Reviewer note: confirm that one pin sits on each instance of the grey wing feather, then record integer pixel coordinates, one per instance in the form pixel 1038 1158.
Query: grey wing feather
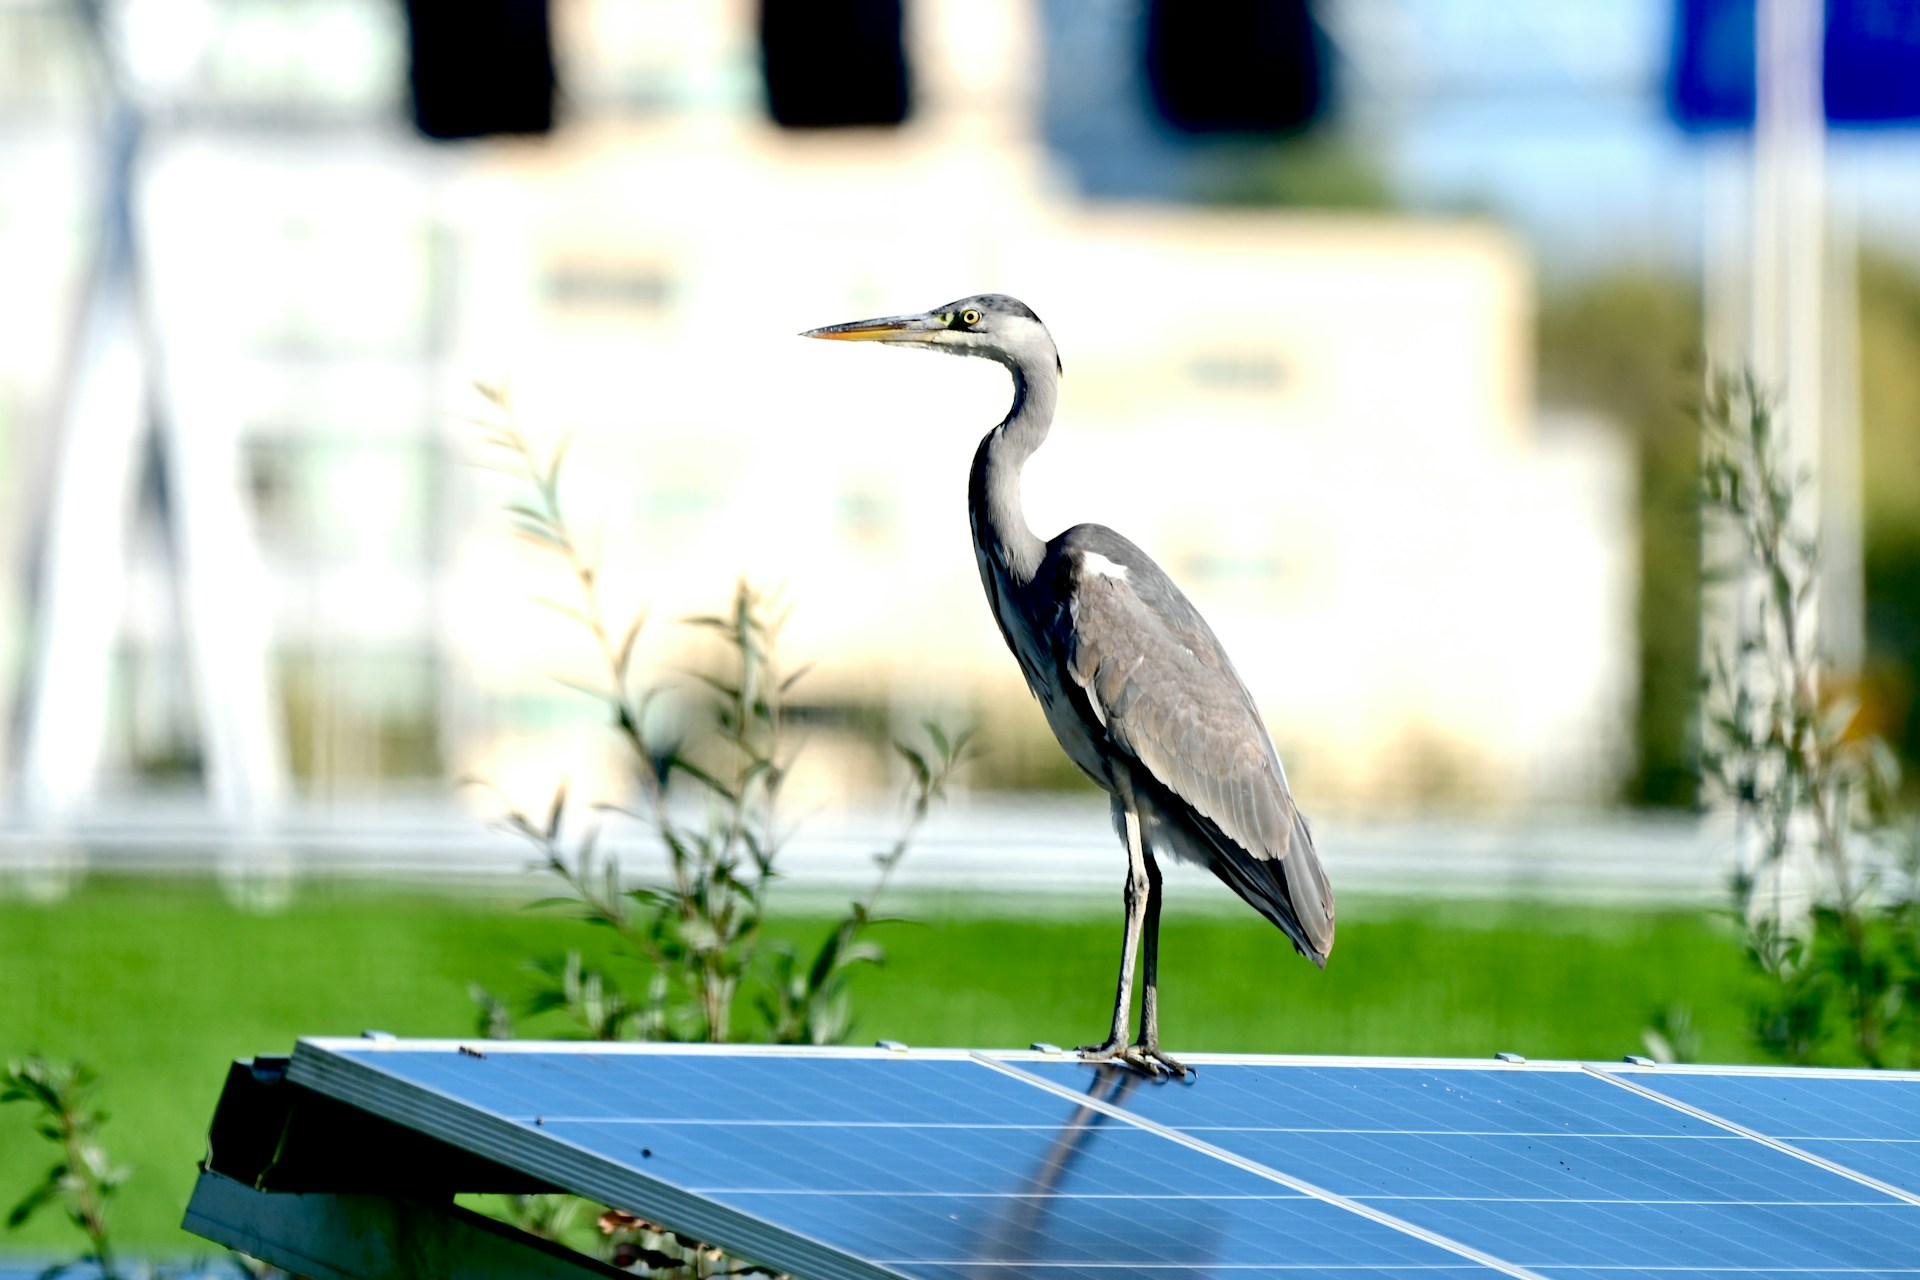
pixel 1165 693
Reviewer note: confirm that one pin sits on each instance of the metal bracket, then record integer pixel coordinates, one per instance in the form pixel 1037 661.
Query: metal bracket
pixel 368 1237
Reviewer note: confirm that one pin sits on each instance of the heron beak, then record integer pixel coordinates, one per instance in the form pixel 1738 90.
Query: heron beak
pixel 921 328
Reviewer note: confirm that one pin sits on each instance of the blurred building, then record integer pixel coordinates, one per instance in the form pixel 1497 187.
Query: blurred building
pixel 1322 425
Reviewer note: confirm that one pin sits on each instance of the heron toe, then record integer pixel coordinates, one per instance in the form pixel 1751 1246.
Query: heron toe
pixel 1114 1048
pixel 1148 1059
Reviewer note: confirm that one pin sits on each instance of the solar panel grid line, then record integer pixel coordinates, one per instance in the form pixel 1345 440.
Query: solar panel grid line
pixel 1210 1197
pixel 1307 1130
pixel 1619 1200
pixel 975 1270
pixel 1301 1185
pixel 1304 1131
pixel 380 1093
pixel 974 1267
pixel 1732 1273
pixel 1778 1144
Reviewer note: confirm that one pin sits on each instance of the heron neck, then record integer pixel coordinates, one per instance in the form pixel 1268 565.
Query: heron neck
pixel 1000 523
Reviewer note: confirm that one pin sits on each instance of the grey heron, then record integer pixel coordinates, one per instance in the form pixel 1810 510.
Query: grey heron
pixel 1134 685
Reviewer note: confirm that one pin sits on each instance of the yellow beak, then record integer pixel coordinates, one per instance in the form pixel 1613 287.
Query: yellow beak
pixel 920 328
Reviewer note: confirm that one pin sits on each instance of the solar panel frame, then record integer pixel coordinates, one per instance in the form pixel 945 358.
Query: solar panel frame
pixel 341 1068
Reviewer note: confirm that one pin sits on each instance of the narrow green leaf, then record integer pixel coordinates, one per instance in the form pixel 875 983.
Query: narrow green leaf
pixel 564 610
pixel 623 655
pixel 718 684
pixel 594 691
pixel 530 514
pixel 550 483
pixel 916 762
pixel 539 535
pixel 38 1198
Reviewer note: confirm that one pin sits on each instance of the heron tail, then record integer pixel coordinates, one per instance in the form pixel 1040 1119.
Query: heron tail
pixel 1291 890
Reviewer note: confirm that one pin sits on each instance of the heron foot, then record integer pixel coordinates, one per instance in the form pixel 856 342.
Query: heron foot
pixel 1147 1059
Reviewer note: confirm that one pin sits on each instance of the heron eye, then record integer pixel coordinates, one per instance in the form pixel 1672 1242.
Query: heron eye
pixel 969 316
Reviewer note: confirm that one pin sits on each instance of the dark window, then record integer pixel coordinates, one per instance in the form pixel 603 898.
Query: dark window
pixel 833 63
pixel 1235 66
pixel 481 67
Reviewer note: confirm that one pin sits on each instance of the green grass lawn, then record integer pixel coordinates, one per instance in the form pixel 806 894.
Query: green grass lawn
pixel 159 983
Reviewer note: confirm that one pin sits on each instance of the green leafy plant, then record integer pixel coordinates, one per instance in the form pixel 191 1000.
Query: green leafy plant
pixel 711 796
pixel 82 1180
pixel 633 1242
pixel 1826 887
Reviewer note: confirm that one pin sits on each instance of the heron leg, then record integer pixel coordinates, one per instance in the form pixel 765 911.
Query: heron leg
pixel 1135 896
pixel 1148 1045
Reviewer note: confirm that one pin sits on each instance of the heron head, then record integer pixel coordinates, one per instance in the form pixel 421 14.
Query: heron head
pixel 988 324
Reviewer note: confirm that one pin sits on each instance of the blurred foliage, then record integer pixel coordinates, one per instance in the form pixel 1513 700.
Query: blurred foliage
pixel 1318 169
pixel 695 938
pixel 1890 390
pixel 82 1179
pixel 689 944
pixel 1626 346
pixel 1890 447
pixel 1024 755
pixel 359 717
pixel 1826 885
pixel 1671 1035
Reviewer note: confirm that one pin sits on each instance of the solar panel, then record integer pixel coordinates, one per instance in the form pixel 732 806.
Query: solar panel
pixel 1553 1168
pixel 944 1164
pixel 916 1165
pixel 1866 1122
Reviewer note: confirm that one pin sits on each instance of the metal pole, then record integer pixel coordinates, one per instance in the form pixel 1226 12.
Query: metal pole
pixel 1843 576
pixel 91 498
pixel 1796 309
pixel 117 385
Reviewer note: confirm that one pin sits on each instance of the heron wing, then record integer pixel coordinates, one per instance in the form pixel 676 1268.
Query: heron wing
pixel 1164 692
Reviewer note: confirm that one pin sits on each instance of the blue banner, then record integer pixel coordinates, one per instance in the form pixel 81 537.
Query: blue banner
pixel 1871 63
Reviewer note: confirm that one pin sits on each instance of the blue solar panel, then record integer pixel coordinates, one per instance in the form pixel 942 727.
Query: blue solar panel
pixel 1392 1099
pixel 918 1165
pixel 586 1085
pixel 942 1166
pixel 936 1233
pixel 1543 1168
pixel 1551 1235
pixel 1665 1273
pixel 1868 1123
